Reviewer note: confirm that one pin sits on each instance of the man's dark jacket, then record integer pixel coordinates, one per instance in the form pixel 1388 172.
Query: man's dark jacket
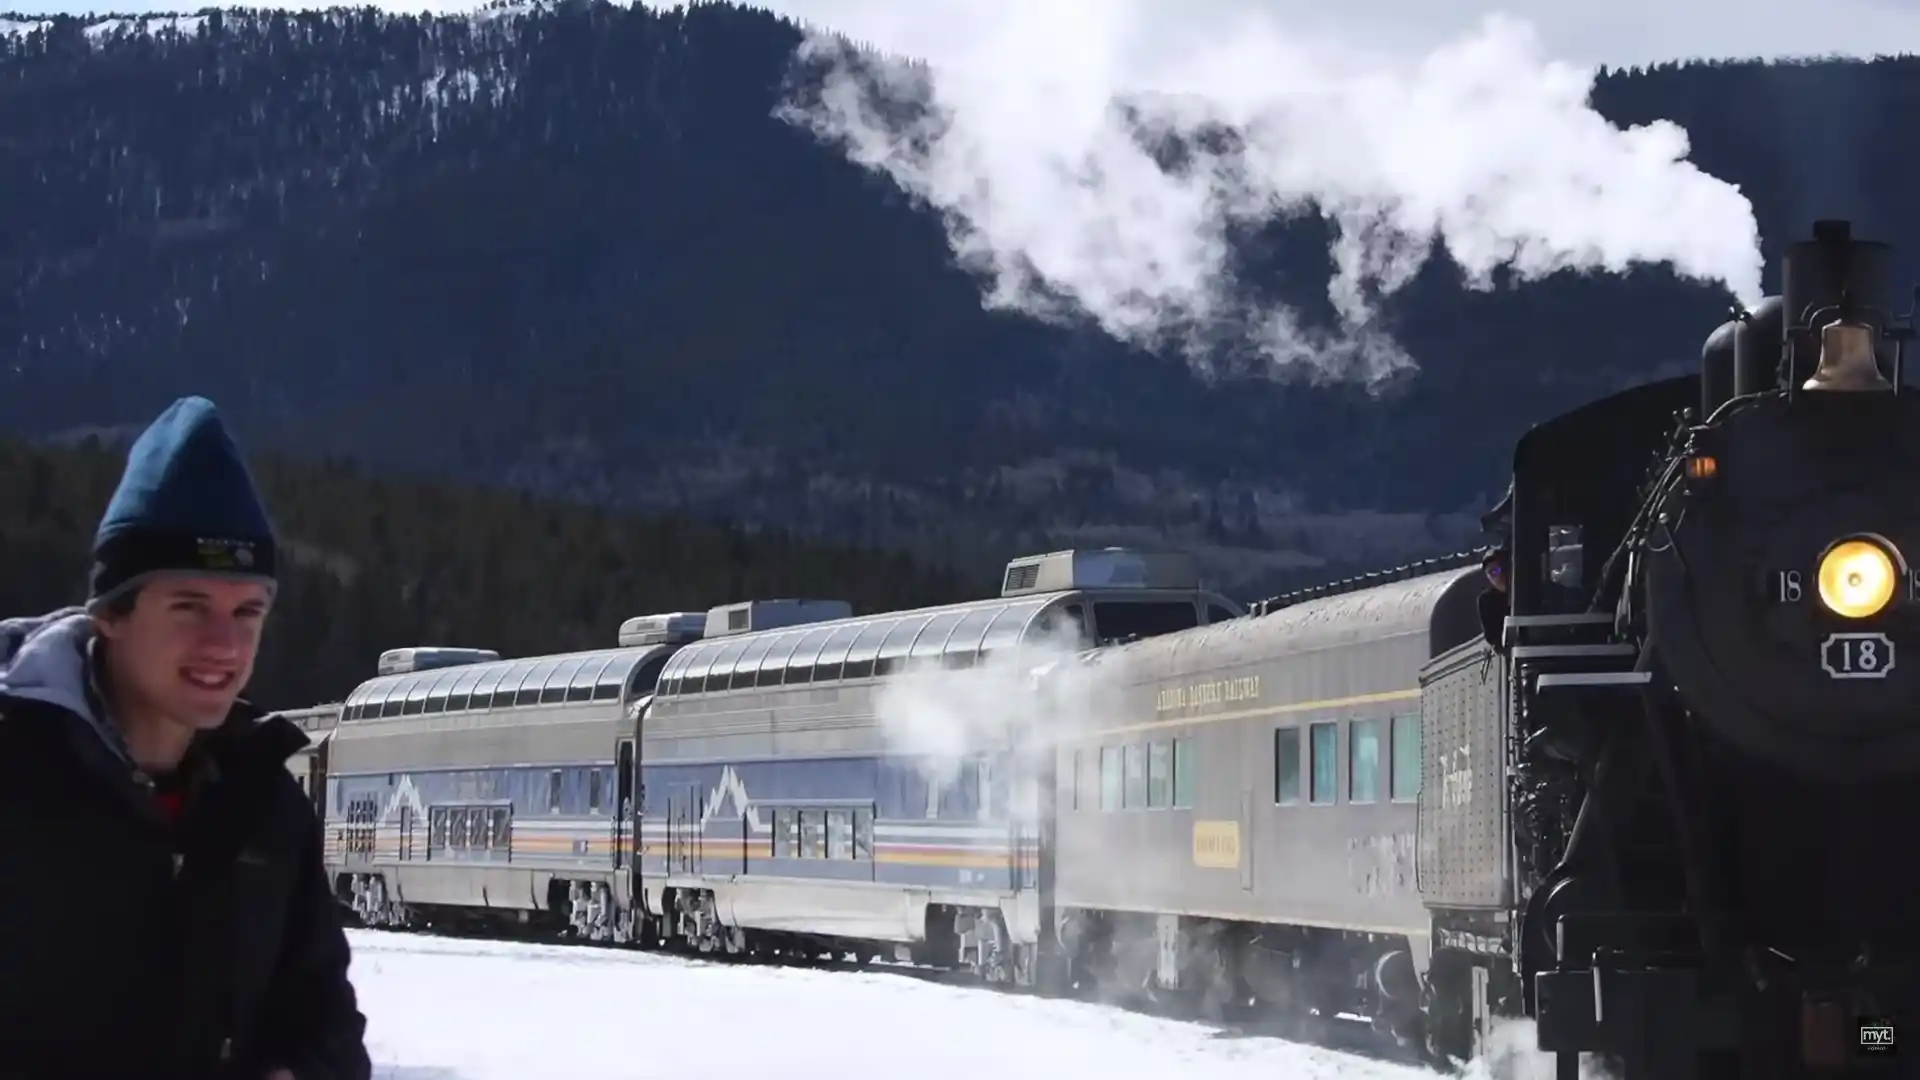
pixel 136 949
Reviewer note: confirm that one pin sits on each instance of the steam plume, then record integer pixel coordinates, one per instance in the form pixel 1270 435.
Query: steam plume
pixel 1082 168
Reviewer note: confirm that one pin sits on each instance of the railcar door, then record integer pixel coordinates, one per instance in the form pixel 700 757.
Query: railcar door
pixel 622 803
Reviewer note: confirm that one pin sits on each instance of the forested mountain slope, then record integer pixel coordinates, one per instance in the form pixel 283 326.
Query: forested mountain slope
pixel 572 250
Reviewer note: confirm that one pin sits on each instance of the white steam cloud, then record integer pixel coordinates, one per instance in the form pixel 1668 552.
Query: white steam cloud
pixel 1510 1054
pixel 1084 167
pixel 942 718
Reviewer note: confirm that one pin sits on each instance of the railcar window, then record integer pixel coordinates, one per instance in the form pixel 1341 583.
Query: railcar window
pixel 694 681
pixel 499 826
pixel 554 690
pixel 720 675
pixel 417 693
pixel 839 835
pixel 1323 742
pixel 1126 620
pixel 1183 773
pixel 863 834
pixel 508 688
pixel 1406 758
pixel 1136 793
pixel 933 640
pixel 893 651
pixel 983 789
pixel 1073 783
pixel 785 834
pixel 645 676
pixel 536 680
pixel 1111 778
pixel 595 782
pixel 800 664
pixel 1006 628
pixel 810 845
pixel 437 692
pixel 553 792
pixel 581 688
pixel 1286 766
pixel 833 655
pixel 480 690
pixel 865 648
pixel 610 679
pixel 748 665
pixel 774 664
pixel 670 678
pixel 964 642
pixel 437 828
pixel 461 689
pixel 1159 774
pixel 1062 626
pixel 1363 761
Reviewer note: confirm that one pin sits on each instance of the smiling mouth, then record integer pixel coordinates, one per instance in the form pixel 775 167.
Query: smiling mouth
pixel 207 680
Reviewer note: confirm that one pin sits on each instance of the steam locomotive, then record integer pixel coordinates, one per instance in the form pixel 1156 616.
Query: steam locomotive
pixel 1717 728
pixel 1661 813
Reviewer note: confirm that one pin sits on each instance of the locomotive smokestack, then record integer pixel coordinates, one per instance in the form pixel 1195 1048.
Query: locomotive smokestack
pixel 1836 295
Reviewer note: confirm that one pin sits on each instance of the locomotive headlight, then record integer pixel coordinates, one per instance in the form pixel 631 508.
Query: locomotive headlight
pixel 1857 579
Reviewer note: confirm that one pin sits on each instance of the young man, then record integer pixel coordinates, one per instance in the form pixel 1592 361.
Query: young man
pixel 164 910
pixel 1494 601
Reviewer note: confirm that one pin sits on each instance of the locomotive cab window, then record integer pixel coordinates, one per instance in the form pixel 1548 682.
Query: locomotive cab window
pixel 1363 761
pixel 1323 744
pixel 1286 766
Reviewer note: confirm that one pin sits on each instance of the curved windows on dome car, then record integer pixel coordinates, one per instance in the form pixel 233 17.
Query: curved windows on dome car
pixel 865 648
pixel 749 664
pixel 554 690
pixel 800 664
pixel 774 665
pixel 833 654
pixel 893 651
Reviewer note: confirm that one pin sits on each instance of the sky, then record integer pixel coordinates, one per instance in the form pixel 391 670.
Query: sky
pixel 1615 32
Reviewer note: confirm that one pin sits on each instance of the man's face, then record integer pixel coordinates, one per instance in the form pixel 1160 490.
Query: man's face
pixel 186 650
pixel 1497 574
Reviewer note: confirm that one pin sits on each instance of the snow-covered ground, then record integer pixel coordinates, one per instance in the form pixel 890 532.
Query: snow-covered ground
pixel 441 1009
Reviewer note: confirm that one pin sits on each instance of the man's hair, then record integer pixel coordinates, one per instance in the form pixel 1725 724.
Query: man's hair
pixel 121 604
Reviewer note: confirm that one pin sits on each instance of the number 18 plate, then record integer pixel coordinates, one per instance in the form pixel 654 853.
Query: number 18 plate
pixel 1857 656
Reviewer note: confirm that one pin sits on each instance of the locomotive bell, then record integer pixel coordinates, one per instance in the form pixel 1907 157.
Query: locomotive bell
pixel 1836 294
pixel 1847 360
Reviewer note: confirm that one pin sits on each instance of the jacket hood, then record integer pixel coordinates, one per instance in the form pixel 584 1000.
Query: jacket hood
pixel 48 659
pixel 44 659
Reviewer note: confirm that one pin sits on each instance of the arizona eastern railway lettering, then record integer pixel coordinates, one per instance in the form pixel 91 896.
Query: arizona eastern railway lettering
pixel 1200 695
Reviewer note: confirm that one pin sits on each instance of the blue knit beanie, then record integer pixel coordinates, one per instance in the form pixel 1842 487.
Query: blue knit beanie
pixel 186 504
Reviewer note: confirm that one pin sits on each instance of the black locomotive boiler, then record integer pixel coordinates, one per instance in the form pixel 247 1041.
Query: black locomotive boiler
pixel 1716 754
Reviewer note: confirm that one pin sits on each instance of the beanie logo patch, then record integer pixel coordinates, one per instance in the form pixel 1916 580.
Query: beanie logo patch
pixel 218 553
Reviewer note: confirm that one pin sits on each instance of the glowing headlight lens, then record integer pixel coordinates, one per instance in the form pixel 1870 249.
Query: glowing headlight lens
pixel 1857 579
